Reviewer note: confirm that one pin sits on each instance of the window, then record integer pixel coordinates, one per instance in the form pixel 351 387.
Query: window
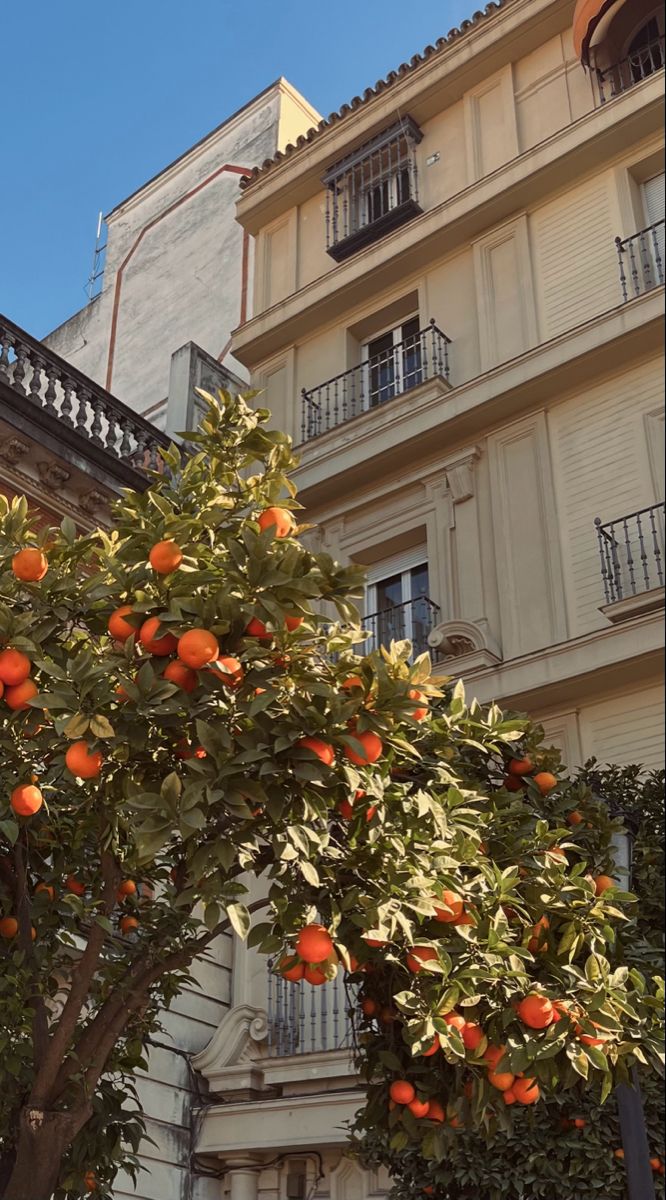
pixel 646 52
pixel 372 190
pixel 654 204
pixel 392 363
pixel 397 602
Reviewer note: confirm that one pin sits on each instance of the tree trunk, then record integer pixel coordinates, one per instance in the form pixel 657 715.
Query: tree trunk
pixel 43 1139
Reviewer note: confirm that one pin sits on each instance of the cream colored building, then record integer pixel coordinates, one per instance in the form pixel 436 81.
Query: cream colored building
pixel 458 303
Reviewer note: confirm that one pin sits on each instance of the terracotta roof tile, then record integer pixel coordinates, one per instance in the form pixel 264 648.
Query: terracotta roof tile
pixel 381 85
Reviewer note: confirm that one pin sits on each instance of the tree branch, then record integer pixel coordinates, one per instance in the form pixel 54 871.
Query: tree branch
pixel 40 1031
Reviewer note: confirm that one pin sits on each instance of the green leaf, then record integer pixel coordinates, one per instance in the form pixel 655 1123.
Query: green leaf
pixel 101 727
pixel 10 830
pixel 76 726
pixel 239 919
pixel 309 872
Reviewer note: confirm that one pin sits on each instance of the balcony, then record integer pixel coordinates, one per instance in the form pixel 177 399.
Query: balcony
pixel 416 359
pixel 639 65
pixel 641 260
pixel 303 1019
pixel 631 550
pixel 372 190
pixel 413 620
pixel 44 397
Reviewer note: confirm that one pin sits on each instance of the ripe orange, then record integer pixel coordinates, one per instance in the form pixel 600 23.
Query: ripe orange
pixel 509 1097
pixel 513 783
pixel 368 1007
pixel 455 1020
pixel 118 627
pixel 454 908
pixel 90 1181
pixel 323 750
pixel 372 748
pixel 432 1049
pixel 291 969
pixel 73 885
pixel 228 670
pixel 184 750
pixel 293 622
pixel 26 800
pixel 574 817
pixel 402 1091
pixel 127 887
pixel 545 782
pixel 472 1035
pixel 376 943
pixel 279 520
pixel 30 565
pixel 165 557
pixel 176 672
pixel 579 1123
pixel 535 1011
pixel 493 1055
pixel 618 1153
pixel 602 883
pixel 354 681
pixel 47 889
pixel 256 628
pixel 14 667
pixel 345 809
pixel 421 711
pixel 165 643
pixel 419 955
pixel 17 697
pixel 521 766
pixel 314 944
pixel 8 927
pixel 314 975
pixel 419 1108
pixel 503 1080
pixel 128 924
pixel 436 1111
pixel 198 648
pixel 655 1163
pixel 82 761
pixel 526 1091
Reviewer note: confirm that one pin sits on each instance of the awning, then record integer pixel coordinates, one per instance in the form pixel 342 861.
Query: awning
pixel 587 16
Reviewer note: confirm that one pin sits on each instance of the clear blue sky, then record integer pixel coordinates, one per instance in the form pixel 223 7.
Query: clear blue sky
pixel 101 97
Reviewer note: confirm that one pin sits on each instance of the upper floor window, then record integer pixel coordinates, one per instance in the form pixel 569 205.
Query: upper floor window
pixel 646 52
pixel 373 190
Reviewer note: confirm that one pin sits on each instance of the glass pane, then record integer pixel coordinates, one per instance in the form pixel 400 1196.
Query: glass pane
pixel 382 362
pixel 411 354
pixel 389 592
pixel 419 581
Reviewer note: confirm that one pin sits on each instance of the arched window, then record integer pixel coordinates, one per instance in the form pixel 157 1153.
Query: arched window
pixel 646 51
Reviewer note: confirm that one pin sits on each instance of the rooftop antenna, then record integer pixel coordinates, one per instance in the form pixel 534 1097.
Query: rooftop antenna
pixel 94 286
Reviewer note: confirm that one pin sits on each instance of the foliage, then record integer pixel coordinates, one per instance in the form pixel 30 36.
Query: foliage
pixel 200 789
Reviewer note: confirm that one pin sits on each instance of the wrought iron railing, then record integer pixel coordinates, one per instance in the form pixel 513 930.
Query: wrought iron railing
pixel 632 553
pixel 39 376
pixel 413 620
pixel 641 259
pixel 638 65
pixel 375 381
pixel 304 1019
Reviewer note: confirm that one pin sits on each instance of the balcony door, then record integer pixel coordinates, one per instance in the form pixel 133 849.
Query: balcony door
pixel 392 363
pixel 654 204
pixel 397 603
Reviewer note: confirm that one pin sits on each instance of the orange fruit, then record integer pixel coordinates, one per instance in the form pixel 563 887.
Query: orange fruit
pixel 579 1123
pixel 47 889
pixel 128 924
pixel 421 711
pixel 545 782
pixel 279 520
pixel 455 1020
pixel 314 944
pixel 17 697
pixel 73 885
pixel 513 783
pixel 176 672
pixel 521 766
pixel 127 887
pixel 602 883
pixel 83 762
pixel 198 648
pixel 256 628
pixel 165 557
pixel 118 627
pixel 368 1007
pixel 472 1035
pixel 228 670
pixel 431 1049
pixel 526 1091
pixel 293 622
pixel 436 1111
pixel 354 681
pixel 372 748
pixel 26 800
pixel 30 565
pixel 535 1011
pixel 503 1080
pixel 509 1096
pixel 14 667
pixel 184 750
pixel 165 643
pixel 419 1108
pixel 574 817
pixel 90 1181
pixel 345 809
pixel 322 750
pixel 402 1091
pixel 494 1055
pixel 419 955
pixel 291 969
pixel 618 1153
pixel 314 975
pixel 454 908
pixel 655 1163
pixel 8 927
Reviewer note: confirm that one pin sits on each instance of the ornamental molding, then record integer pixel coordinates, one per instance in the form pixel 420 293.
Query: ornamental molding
pixel 239 1038
pixel 53 475
pixel 459 471
pixel 470 643
pixel 13 450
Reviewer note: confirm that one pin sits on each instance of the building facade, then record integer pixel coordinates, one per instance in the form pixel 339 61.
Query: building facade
pixel 458 305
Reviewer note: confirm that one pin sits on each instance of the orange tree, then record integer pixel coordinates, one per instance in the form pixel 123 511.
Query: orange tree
pixel 178 715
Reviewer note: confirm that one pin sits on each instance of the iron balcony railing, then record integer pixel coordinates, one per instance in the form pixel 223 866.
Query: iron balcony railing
pixel 375 381
pixel 413 620
pixel 632 553
pixel 638 65
pixel 641 259
pixel 303 1019
pixel 37 375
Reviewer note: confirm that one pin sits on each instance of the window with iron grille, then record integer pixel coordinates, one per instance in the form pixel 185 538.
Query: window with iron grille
pixel 373 190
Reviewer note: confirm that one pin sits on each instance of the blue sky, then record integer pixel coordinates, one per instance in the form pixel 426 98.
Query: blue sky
pixel 101 97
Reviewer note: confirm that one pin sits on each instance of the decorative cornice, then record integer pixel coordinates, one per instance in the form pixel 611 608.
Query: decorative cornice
pixel 460 473
pixel 465 640
pixel 241 1030
pixel 13 450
